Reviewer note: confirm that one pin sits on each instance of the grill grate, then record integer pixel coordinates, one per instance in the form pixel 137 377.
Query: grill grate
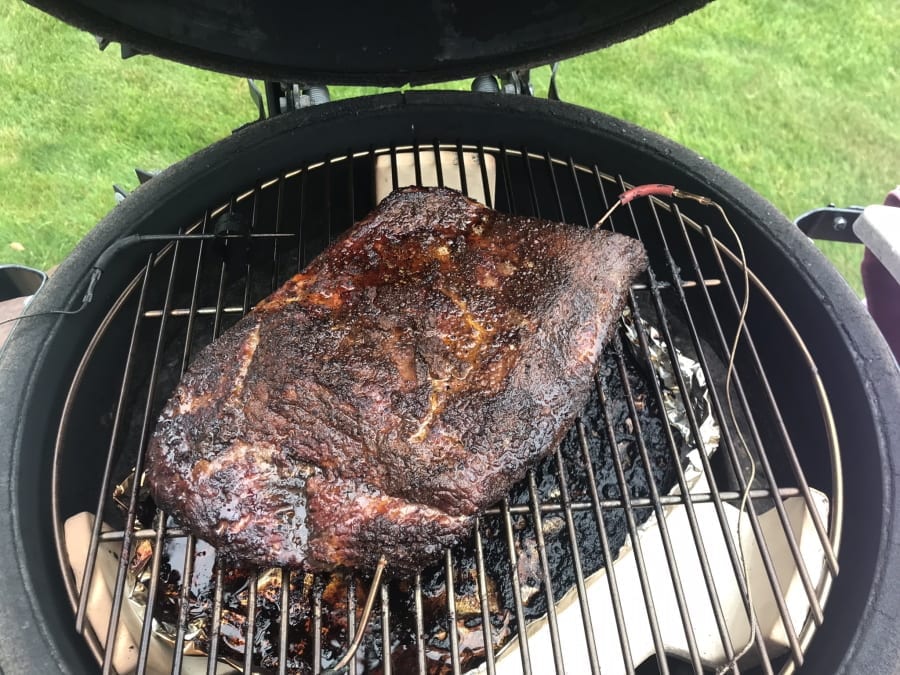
pixel 189 291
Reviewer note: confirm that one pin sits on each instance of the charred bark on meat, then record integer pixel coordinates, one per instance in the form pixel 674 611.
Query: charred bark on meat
pixel 394 389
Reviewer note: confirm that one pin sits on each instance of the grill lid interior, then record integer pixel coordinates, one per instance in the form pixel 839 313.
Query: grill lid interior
pixel 390 44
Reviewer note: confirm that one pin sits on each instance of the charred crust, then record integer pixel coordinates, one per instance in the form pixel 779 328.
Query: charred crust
pixel 415 370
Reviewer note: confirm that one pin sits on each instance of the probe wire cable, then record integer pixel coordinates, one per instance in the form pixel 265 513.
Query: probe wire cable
pixel 661 190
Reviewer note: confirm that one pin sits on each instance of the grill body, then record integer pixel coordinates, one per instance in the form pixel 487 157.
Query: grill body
pixel 855 366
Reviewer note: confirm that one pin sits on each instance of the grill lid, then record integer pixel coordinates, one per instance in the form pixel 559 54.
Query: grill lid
pixel 390 44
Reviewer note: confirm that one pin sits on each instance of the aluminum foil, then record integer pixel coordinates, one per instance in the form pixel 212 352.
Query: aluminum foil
pixel 696 395
pixel 140 574
pixel 140 577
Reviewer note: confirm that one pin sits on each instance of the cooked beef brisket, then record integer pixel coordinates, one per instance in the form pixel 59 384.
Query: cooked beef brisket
pixel 383 397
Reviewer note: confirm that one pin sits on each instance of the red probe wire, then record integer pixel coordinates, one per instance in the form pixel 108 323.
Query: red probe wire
pixel 654 190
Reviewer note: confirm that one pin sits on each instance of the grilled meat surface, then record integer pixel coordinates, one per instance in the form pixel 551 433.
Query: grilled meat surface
pixel 398 386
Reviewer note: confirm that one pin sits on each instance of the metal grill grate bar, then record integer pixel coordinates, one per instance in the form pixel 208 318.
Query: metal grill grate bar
pixel 517 591
pixel 276 248
pixel 351 615
pixel 183 606
pixel 449 572
pixel 545 572
pixel 420 625
pixel 485 182
pixel 532 191
pixel 285 621
pixel 556 191
pixel 573 176
pixel 759 494
pixel 461 162
pixel 395 180
pixel 193 311
pixel 483 600
pixel 615 597
pixel 302 256
pixel 317 625
pixel 438 165
pixel 386 626
pixel 220 302
pixel 586 619
pixel 239 310
pixel 417 164
pixel 652 617
pixel 216 622
pixel 250 634
pixel 509 192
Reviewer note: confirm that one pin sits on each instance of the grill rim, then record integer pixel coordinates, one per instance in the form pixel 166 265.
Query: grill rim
pixel 28 362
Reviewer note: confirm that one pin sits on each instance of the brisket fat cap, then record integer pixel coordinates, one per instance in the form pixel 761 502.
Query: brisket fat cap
pixel 398 386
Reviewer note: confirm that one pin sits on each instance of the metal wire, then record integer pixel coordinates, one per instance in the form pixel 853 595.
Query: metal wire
pixel 666 190
pixel 374 591
pixel 201 294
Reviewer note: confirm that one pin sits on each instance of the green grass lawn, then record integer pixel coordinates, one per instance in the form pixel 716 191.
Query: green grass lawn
pixel 800 100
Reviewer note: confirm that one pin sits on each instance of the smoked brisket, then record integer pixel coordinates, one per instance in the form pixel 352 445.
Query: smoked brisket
pixel 398 386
